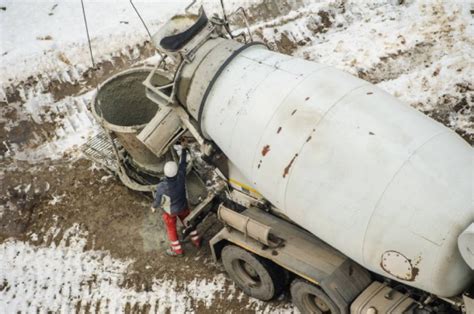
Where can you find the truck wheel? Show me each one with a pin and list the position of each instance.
(257, 277)
(311, 299)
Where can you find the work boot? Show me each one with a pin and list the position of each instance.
(175, 250)
(172, 253)
(196, 239)
(197, 243)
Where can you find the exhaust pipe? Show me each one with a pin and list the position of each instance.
(248, 226)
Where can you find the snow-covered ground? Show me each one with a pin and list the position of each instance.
(421, 52)
(49, 36)
(66, 278)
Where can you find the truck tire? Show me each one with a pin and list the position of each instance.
(311, 299)
(256, 276)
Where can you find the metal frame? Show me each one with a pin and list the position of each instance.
(247, 26)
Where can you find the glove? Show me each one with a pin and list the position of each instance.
(153, 209)
(178, 149)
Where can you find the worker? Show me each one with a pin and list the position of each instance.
(171, 198)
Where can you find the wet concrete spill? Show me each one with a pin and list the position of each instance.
(287, 168)
(265, 150)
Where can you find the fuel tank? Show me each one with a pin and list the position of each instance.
(376, 179)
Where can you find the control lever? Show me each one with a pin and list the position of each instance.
(200, 212)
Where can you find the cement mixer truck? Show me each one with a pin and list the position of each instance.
(326, 186)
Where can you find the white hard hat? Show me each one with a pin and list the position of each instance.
(171, 169)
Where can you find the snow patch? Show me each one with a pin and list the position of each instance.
(66, 278)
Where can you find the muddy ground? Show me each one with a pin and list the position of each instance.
(117, 220)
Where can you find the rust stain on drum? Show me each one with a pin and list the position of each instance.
(287, 168)
(265, 150)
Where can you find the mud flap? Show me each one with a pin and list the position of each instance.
(346, 283)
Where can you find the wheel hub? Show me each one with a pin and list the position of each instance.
(316, 304)
(247, 273)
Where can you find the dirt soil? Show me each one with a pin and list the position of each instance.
(117, 220)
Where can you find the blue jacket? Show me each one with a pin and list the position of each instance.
(171, 192)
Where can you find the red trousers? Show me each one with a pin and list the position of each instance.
(170, 222)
